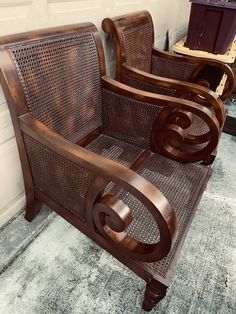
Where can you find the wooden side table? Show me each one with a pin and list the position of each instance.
(229, 57)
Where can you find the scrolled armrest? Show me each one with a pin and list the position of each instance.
(201, 62)
(180, 87)
(107, 171)
(171, 124)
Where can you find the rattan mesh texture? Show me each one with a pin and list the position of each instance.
(116, 150)
(67, 183)
(137, 119)
(61, 86)
(173, 69)
(138, 45)
(130, 81)
(128, 119)
(180, 183)
(177, 182)
(57, 177)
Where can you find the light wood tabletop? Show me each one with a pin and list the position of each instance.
(228, 57)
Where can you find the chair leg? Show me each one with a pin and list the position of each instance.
(209, 160)
(154, 293)
(32, 209)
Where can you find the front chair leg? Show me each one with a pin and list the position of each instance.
(32, 209)
(209, 160)
(154, 293)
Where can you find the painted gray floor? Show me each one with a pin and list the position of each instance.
(58, 270)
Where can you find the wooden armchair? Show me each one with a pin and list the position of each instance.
(138, 60)
(139, 64)
(92, 149)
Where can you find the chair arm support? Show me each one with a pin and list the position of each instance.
(107, 171)
(230, 83)
(172, 122)
(194, 89)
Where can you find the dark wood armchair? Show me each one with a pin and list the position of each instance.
(92, 149)
(139, 64)
(138, 59)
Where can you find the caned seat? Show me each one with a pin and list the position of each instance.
(112, 160)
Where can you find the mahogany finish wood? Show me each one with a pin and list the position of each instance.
(90, 137)
(211, 100)
(62, 155)
(154, 293)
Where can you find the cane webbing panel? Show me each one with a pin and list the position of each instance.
(67, 183)
(177, 70)
(137, 120)
(57, 177)
(181, 184)
(138, 45)
(148, 87)
(198, 126)
(128, 119)
(121, 152)
(60, 77)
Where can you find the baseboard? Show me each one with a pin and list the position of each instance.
(12, 209)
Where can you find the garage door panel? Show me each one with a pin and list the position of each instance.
(64, 12)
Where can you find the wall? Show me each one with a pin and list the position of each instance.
(23, 15)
